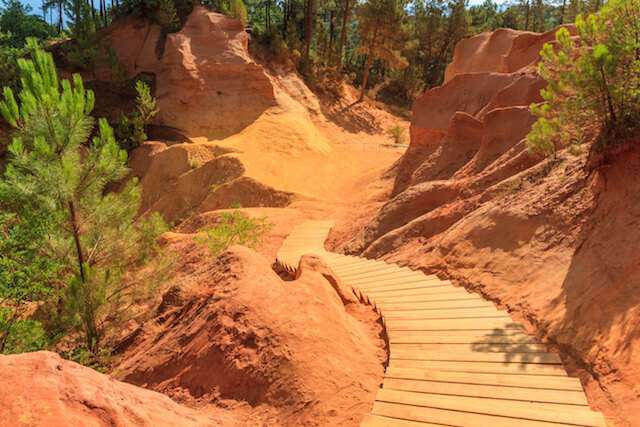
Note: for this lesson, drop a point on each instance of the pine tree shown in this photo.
(593, 82)
(379, 27)
(55, 167)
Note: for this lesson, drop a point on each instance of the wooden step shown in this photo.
(391, 274)
(473, 356)
(567, 397)
(416, 283)
(534, 411)
(451, 324)
(446, 313)
(430, 416)
(532, 348)
(379, 421)
(435, 305)
(510, 380)
(512, 368)
(489, 336)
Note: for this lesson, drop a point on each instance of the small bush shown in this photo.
(234, 228)
(167, 16)
(99, 360)
(130, 132)
(194, 163)
(9, 66)
(20, 335)
(397, 134)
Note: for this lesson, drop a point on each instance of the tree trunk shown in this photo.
(332, 29)
(527, 9)
(367, 65)
(308, 31)
(75, 229)
(60, 18)
(607, 92)
(285, 19)
(343, 32)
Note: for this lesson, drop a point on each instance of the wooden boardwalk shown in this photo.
(455, 359)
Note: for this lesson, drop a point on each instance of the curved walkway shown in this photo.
(455, 359)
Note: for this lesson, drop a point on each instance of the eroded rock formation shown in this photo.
(230, 330)
(207, 84)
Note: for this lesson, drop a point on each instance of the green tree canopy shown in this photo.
(593, 81)
(18, 23)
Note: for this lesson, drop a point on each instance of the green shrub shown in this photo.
(593, 82)
(9, 66)
(20, 335)
(167, 16)
(19, 23)
(99, 360)
(234, 228)
(130, 132)
(397, 134)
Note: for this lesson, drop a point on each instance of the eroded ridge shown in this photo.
(455, 359)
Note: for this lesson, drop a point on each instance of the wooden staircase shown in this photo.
(455, 359)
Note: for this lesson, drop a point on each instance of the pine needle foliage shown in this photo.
(131, 129)
(57, 171)
(381, 32)
(593, 82)
(167, 16)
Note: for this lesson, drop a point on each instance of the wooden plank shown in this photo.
(361, 261)
(366, 263)
(520, 410)
(387, 276)
(566, 397)
(375, 285)
(428, 298)
(461, 337)
(513, 368)
(380, 421)
(547, 382)
(361, 270)
(453, 418)
(473, 356)
(384, 275)
(435, 305)
(404, 287)
(446, 313)
(418, 292)
(532, 349)
(452, 324)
